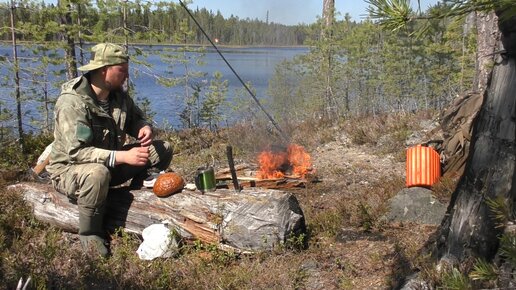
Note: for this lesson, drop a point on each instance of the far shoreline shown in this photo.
(7, 43)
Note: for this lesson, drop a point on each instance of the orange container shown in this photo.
(423, 166)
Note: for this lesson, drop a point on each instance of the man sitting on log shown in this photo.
(93, 114)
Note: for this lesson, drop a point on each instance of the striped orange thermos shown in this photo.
(423, 166)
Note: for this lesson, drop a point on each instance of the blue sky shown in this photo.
(288, 11)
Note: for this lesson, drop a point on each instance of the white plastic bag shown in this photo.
(157, 242)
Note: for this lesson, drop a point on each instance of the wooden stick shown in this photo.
(41, 166)
(250, 178)
(229, 153)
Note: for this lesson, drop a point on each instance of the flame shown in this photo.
(299, 159)
(270, 164)
(275, 164)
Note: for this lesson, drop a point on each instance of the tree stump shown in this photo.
(470, 229)
(247, 221)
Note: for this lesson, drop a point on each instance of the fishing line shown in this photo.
(236, 74)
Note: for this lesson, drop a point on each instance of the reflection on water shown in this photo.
(255, 65)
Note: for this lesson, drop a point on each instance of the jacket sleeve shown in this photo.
(74, 135)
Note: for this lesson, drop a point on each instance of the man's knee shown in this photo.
(94, 185)
(162, 155)
(99, 174)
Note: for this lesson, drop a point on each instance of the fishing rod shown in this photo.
(283, 135)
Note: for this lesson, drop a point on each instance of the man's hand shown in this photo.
(137, 156)
(145, 136)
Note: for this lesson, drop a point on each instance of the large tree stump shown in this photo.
(250, 220)
(470, 229)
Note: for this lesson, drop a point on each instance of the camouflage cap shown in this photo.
(104, 54)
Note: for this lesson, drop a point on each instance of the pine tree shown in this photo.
(183, 57)
(215, 98)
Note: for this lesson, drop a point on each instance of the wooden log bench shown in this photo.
(246, 221)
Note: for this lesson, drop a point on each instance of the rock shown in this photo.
(313, 279)
(416, 204)
(414, 282)
(447, 263)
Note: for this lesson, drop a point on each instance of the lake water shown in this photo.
(254, 65)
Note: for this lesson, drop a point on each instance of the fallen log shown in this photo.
(250, 220)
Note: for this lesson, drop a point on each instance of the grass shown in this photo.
(348, 245)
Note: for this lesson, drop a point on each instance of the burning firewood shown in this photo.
(278, 168)
(279, 162)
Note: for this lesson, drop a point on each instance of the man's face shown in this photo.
(116, 76)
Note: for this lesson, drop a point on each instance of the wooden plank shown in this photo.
(272, 183)
(225, 173)
(283, 183)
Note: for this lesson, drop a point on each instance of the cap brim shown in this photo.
(90, 67)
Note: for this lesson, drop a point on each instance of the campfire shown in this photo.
(279, 167)
(284, 162)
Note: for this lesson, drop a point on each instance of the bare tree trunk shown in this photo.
(488, 36)
(66, 20)
(81, 43)
(346, 98)
(327, 35)
(16, 77)
(46, 106)
(328, 12)
(126, 30)
(469, 23)
(469, 230)
(126, 40)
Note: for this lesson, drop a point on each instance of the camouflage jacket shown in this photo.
(84, 132)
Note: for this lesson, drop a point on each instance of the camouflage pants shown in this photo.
(88, 183)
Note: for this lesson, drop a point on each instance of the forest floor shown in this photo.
(360, 166)
(365, 252)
